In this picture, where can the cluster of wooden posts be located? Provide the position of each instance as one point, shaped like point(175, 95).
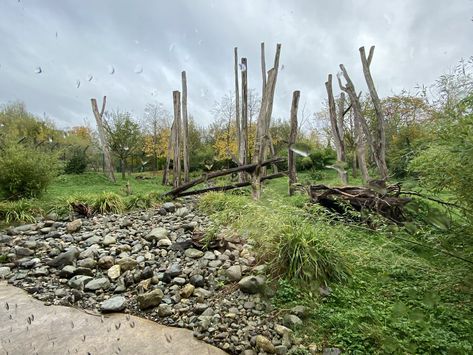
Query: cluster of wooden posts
point(249, 173)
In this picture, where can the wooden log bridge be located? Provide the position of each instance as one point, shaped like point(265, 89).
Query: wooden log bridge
point(180, 191)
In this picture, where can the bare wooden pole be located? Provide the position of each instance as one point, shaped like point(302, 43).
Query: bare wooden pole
point(337, 136)
point(185, 128)
point(168, 156)
point(263, 68)
point(243, 149)
point(103, 138)
point(177, 139)
point(291, 161)
point(359, 123)
point(237, 100)
point(380, 136)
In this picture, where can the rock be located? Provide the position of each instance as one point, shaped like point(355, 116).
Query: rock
point(234, 273)
point(313, 349)
point(74, 226)
point(4, 272)
point(150, 299)
point(78, 282)
point(22, 251)
point(97, 284)
point(281, 349)
point(197, 280)
point(178, 281)
point(172, 271)
point(108, 240)
point(281, 330)
point(331, 351)
point(84, 271)
point(127, 264)
point(165, 310)
point(114, 304)
point(67, 271)
point(169, 206)
point(106, 262)
point(194, 253)
point(88, 263)
point(265, 344)
point(292, 321)
point(202, 293)
point(300, 311)
point(63, 259)
point(164, 243)
point(187, 291)
point(114, 272)
point(95, 239)
point(157, 234)
point(325, 291)
point(209, 255)
point(182, 212)
point(252, 284)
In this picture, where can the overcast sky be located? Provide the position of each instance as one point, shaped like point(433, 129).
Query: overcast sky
point(134, 51)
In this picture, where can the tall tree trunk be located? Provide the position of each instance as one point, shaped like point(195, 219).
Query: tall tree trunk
point(359, 122)
point(264, 121)
point(155, 143)
point(243, 149)
point(123, 166)
point(337, 136)
point(168, 156)
point(263, 68)
point(291, 161)
point(185, 128)
point(103, 138)
point(237, 102)
point(380, 137)
point(177, 138)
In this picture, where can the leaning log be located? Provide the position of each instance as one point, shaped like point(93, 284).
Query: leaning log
point(229, 187)
point(248, 168)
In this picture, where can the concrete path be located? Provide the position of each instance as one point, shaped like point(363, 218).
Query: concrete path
point(27, 326)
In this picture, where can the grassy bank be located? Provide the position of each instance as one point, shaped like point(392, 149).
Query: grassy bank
point(387, 295)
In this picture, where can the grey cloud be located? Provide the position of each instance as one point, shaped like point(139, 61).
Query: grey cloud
point(416, 42)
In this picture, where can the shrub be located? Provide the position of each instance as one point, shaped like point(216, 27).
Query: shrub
point(108, 202)
point(78, 162)
point(18, 211)
point(25, 172)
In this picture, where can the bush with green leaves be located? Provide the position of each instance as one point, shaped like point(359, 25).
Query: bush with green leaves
point(446, 165)
point(25, 172)
point(77, 163)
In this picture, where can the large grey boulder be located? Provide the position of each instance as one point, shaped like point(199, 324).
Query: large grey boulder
point(114, 304)
point(252, 284)
point(97, 284)
point(66, 258)
point(157, 234)
point(74, 226)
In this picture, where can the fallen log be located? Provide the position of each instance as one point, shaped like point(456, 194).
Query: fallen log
point(229, 187)
point(248, 168)
point(385, 202)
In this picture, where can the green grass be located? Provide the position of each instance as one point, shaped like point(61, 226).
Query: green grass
point(390, 296)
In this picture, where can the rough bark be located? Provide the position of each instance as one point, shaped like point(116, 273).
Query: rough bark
point(168, 156)
point(243, 148)
point(177, 139)
point(380, 137)
point(237, 101)
point(103, 138)
point(263, 68)
point(185, 128)
point(291, 161)
point(337, 135)
point(359, 121)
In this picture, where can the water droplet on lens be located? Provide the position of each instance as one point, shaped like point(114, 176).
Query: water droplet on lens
point(242, 67)
point(38, 70)
point(138, 69)
point(77, 83)
point(282, 67)
point(111, 70)
point(171, 47)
